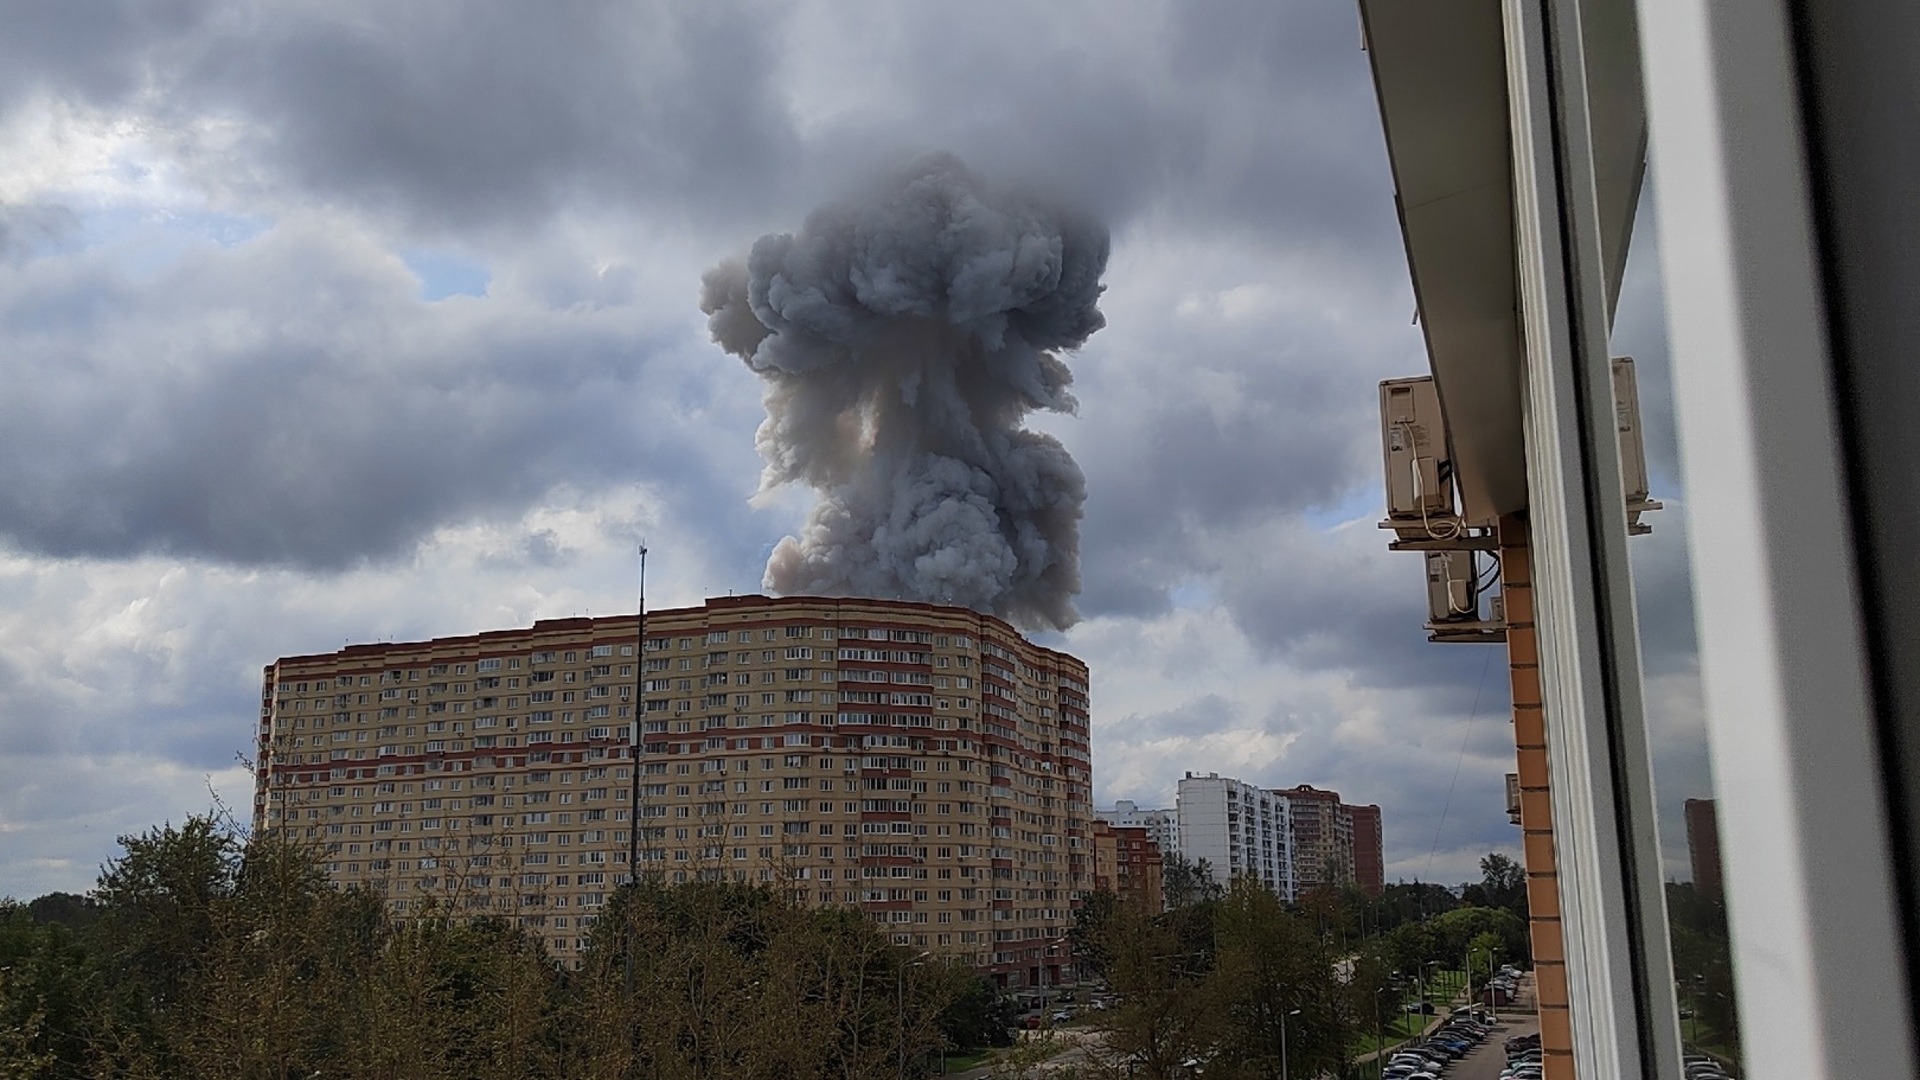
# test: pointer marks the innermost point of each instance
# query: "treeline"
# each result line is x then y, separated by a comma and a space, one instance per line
1703, 967
1234, 979
202, 955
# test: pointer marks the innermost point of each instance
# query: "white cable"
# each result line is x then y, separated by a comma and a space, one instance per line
1473, 577
1452, 528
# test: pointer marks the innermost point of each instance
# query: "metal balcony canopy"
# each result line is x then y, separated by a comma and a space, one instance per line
1439, 70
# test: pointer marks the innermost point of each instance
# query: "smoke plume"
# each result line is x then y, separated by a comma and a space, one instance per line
903, 339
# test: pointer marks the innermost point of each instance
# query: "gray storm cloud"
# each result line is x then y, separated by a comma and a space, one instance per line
903, 339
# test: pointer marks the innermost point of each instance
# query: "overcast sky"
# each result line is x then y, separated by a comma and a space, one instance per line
331, 321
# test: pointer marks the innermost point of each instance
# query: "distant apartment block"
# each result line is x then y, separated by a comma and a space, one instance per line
1322, 838
1369, 848
926, 765
1239, 829
1126, 862
1703, 846
1162, 826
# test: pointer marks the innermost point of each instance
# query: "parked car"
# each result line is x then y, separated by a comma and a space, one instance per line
1517, 1043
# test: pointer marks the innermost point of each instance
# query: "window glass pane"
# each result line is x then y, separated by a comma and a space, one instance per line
1676, 724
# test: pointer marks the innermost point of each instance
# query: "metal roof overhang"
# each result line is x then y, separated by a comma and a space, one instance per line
1439, 69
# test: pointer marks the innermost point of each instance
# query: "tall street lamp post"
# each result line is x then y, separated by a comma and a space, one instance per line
1493, 1005
900, 1002
1693, 993
1469, 976
1285, 1073
1379, 1033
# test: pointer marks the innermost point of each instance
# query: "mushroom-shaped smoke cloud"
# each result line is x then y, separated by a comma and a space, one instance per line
903, 339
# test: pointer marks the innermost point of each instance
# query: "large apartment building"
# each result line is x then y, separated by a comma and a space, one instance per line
1239, 829
925, 764
1314, 839
1369, 847
1322, 838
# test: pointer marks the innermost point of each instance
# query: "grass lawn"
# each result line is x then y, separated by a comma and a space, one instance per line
1400, 1025
972, 1059
1444, 986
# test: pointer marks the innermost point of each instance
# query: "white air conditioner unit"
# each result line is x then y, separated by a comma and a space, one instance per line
1419, 473
1451, 592
1453, 601
1633, 448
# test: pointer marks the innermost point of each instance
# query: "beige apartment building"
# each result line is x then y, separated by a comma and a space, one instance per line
1126, 863
925, 764
1322, 838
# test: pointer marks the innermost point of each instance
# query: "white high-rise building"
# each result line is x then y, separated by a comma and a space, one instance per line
1238, 829
1163, 826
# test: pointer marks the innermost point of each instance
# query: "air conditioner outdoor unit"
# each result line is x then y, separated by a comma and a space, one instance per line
1453, 601
1419, 473
1451, 592
1633, 448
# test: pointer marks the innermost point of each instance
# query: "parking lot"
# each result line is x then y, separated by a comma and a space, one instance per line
1485, 1061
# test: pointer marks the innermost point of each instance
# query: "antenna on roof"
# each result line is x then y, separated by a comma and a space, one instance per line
636, 817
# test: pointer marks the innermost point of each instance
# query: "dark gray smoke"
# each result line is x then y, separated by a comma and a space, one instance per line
903, 339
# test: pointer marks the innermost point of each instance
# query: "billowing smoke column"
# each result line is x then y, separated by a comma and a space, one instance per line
903, 339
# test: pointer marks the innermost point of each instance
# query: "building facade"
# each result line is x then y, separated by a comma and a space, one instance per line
1369, 848
1703, 846
1322, 838
1126, 863
1240, 830
925, 764
1162, 826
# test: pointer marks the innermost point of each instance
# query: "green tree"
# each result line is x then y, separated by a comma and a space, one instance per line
64, 909
42, 999
978, 1015
1454, 932
1276, 987
1087, 935
1164, 1016
1185, 882
156, 934
1703, 964
1402, 903
725, 979
1502, 884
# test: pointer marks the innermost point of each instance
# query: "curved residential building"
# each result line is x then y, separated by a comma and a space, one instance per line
925, 764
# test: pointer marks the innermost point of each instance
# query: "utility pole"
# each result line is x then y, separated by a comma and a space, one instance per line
1493, 1005
1379, 1035
639, 712
633, 762
1285, 1073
